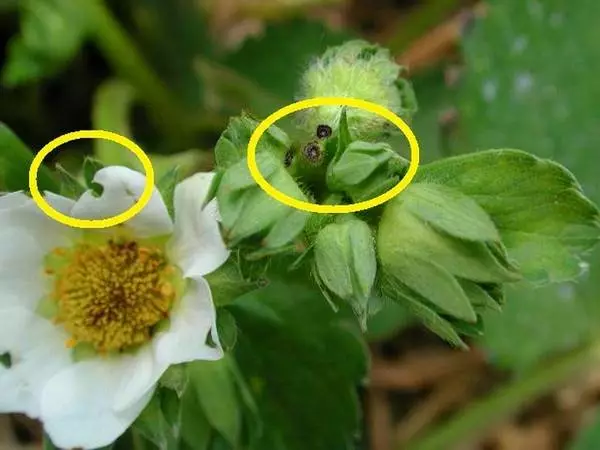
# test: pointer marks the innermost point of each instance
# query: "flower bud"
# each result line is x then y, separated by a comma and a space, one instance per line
345, 262
360, 70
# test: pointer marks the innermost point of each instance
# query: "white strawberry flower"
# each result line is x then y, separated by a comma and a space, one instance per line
91, 319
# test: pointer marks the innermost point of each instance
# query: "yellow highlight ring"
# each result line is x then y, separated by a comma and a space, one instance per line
333, 101
91, 223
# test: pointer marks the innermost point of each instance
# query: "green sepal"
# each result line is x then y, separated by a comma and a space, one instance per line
228, 283
226, 329
5, 360
346, 263
246, 210
232, 146
166, 187
215, 389
479, 297
357, 162
175, 378
70, 186
90, 167
434, 283
474, 260
450, 211
392, 289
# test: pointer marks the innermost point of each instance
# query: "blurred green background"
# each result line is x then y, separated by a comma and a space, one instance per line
497, 74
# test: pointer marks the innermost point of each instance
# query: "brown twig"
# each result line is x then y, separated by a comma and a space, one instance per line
418, 370
380, 420
438, 43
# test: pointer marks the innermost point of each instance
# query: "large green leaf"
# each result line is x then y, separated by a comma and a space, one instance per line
537, 205
530, 82
15, 160
303, 363
52, 32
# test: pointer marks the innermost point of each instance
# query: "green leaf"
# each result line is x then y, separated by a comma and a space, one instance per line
545, 221
588, 438
519, 90
303, 363
52, 32
276, 59
215, 389
450, 211
15, 160
70, 186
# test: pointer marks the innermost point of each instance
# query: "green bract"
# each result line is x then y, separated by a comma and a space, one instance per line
345, 262
246, 210
365, 170
360, 70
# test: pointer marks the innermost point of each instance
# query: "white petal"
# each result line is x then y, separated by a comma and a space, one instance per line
37, 351
26, 236
86, 425
22, 281
18, 211
191, 322
91, 403
122, 189
196, 246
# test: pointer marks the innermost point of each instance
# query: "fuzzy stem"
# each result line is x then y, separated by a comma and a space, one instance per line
507, 399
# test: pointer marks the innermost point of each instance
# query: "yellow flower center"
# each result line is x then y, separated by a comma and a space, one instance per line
112, 294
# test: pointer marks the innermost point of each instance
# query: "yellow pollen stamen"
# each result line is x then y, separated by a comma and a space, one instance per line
112, 294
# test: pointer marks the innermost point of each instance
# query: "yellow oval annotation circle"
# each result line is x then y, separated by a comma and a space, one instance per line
333, 101
91, 223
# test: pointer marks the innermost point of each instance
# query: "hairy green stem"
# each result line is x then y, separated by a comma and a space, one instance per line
507, 399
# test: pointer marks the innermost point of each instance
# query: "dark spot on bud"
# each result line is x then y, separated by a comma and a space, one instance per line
312, 151
288, 158
323, 131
